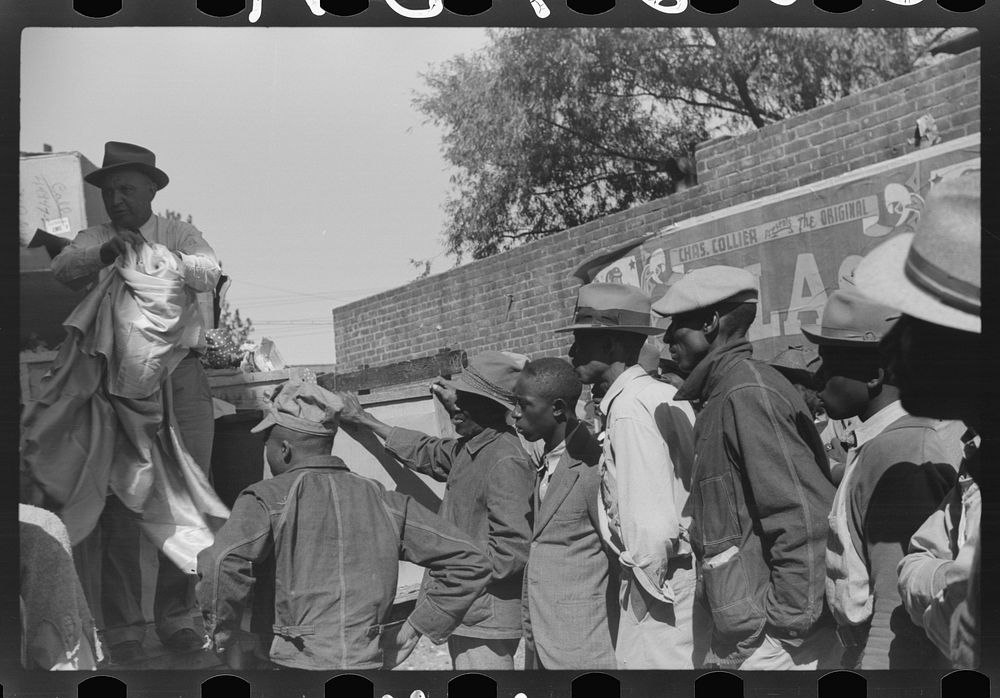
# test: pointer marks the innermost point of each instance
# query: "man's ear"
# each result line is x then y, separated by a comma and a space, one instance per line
875, 384
559, 409
711, 326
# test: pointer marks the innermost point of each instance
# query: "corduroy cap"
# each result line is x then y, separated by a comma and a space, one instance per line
707, 287
851, 319
618, 307
491, 374
303, 407
934, 274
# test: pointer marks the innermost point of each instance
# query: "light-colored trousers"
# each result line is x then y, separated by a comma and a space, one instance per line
819, 650
657, 635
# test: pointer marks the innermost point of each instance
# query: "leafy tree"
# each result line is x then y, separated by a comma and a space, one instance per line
550, 128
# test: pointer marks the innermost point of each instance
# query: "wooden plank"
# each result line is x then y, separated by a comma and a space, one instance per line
446, 362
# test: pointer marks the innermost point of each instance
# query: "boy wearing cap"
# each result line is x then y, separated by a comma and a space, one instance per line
312, 555
646, 462
897, 472
933, 277
488, 496
568, 595
760, 490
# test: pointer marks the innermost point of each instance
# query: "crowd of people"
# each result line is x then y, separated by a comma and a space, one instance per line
695, 513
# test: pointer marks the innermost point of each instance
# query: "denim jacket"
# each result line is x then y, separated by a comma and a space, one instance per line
312, 555
760, 495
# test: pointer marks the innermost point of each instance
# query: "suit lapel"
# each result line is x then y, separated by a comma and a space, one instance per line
562, 482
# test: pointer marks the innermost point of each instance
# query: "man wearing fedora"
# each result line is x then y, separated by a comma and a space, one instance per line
935, 350
760, 487
129, 180
645, 480
896, 473
488, 496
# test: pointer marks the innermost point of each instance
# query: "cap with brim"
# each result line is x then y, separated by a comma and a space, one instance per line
491, 374
612, 307
303, 407
934, 274
851, 319
119, 157
707, 287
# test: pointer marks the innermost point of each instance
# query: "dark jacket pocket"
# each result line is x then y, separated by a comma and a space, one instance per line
717, 518
735, 613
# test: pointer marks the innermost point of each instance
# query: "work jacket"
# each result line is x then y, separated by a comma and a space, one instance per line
489, 479
760, 496
314, 553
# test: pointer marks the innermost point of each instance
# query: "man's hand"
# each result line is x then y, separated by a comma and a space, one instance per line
398, 645
353, 413
119, 244
445, 395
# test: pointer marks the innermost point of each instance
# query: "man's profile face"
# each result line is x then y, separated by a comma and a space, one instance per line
534, 413
589, 355
687, 341
128, 197
469, 415
843, 381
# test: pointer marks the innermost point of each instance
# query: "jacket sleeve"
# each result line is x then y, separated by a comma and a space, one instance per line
80, 261
201, 266
886, 528
425, 454
509, 486
793, 498
225, 569
458, 572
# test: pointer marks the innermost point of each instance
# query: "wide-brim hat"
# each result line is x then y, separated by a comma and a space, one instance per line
707, 287
491, 374
612, 307
851, 319
796, 363
934, 273
127, 156
303, 407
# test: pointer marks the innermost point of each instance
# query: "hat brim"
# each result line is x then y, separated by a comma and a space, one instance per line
97, 177
814, 333
880, 276
264, 424
636, 329
463, 387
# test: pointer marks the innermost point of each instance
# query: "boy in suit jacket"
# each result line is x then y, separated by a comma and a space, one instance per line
569, 606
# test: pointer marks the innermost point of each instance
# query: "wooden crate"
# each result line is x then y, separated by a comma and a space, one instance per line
248, 391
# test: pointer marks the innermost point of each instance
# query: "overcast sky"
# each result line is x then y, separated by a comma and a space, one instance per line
296, 151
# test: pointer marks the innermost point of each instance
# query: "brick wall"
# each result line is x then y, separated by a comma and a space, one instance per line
516, 299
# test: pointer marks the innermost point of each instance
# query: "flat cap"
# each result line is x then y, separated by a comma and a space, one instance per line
303, 407
706, 287
851, 319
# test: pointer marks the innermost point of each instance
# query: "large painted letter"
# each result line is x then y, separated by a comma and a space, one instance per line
760, 329
676, 8
808, 293
434, 8
257, 7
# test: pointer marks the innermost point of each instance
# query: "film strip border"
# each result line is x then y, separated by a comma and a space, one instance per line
715, 684
99, 9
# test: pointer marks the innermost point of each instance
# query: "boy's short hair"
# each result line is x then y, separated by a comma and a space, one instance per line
553, 378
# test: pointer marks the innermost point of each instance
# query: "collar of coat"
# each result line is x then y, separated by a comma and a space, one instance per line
320, 462
710, 370
477, 443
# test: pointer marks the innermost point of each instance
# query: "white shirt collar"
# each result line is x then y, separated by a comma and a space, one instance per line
877, 423
628, 375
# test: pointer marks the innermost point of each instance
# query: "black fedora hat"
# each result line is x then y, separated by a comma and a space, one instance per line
126, 156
